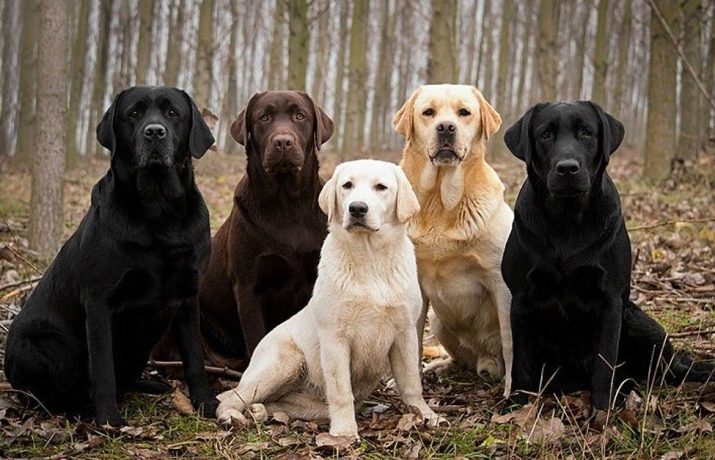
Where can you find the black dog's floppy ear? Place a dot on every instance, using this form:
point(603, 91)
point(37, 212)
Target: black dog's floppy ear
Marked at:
point(105, 128)
point(200, 136)
point(612, 131)
point(241, 126)
point(323, 123)
point(517, 137)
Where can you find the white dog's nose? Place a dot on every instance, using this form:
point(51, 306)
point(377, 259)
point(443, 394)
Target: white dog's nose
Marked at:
point(358, 209)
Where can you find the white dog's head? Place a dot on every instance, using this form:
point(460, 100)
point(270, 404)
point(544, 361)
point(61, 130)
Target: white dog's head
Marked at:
point(446, 121)
point(367, 195)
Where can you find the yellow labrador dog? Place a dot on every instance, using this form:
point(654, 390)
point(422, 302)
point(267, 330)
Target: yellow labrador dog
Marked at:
point(361, 321)
point(462, 228)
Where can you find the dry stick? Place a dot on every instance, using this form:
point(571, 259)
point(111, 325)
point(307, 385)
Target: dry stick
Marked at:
point(672, 222)
point(222, 371)
point(692, 333)
point(689, 66)
point(20, 283)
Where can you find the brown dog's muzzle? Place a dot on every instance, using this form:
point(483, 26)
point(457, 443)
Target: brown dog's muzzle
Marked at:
point(283, 154)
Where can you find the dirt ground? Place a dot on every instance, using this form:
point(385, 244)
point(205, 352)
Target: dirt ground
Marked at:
point(672, 229)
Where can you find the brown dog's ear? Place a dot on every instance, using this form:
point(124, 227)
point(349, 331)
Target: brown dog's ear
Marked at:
point(324, 125)
point(241, 126)
point(403, 119)
point(407, 203)
point(327, 200)
point(491, 120)
point(612, 131)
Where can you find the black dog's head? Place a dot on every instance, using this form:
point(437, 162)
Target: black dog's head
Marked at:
point(566, 145)
point(281, 127)
point(154, 129)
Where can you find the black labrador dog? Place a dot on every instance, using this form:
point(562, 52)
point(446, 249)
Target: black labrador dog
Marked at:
point(130, 272)
point(264, 258)
point(567, 263)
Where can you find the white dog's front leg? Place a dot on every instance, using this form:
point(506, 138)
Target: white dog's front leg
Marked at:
point(335, 363)
point(406, 372)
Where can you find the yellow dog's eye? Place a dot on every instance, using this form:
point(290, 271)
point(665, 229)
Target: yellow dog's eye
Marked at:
point(428, 113)
point(380, 187)
point(464, 113)
point(348, 185)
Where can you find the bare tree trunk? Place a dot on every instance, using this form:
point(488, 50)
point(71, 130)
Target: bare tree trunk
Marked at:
point(600, 55)
point(708, 122)
point(442, 56)
point(340, 75)
point(28, 78)
point(101, 71)
point(471, 42)
point(357, 92)
point(322, 54)
point(204, 55)
point(581, 45)
point(230, 146)
point(660, 126)
point(623, 48)
point(79, 56)
point(48, 163)
point(275, 59)
point(483, 43)
point(10, 55)
point(298, 41)
point(144, 46)
point(548, 53)
point(382, 79)
point(690, 104)
point(176, 42)
point(505, 36)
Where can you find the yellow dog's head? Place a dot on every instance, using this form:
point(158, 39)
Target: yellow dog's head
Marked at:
point(446, 121)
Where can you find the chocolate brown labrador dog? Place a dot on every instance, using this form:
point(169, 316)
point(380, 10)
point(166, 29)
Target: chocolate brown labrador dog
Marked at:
point(264, 257)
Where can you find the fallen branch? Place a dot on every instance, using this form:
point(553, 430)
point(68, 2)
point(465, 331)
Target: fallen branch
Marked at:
point(4, 386)
point(221, 371)
point(20, 283)
point(671, 222)
point(692, 333)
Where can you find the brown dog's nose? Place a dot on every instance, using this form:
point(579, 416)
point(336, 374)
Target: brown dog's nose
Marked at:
point(282, 142)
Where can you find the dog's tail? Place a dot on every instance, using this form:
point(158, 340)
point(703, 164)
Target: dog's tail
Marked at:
point(648, 352)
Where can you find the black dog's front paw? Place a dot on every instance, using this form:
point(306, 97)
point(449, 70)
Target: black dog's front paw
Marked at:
point(206, 406)
point(112, 419)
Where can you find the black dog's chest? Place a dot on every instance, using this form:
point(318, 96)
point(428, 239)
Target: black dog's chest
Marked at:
point(569, 294)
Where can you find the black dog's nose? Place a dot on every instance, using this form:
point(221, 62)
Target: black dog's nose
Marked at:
point(282, 141)
point(155, 131)
point(446, 127)
point(569, 166)
point(358, 209)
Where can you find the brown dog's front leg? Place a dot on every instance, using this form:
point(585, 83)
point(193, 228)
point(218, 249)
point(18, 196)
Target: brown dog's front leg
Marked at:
point(251, 317)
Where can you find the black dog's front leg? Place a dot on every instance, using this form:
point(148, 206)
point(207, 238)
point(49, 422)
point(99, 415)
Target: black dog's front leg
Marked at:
point(250, 314)
point(101, 364)
point(186, 329)
point(604, 365)
point(523, 371)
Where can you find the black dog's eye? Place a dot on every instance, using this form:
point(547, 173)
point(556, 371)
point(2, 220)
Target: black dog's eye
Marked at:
point(546, 135)
point(464, 113)
point(348, 185)
point(428, 113)
point(583, 132)
point(264, 117)
point(299, 116)
point(380, 187)
point(134, 114)
point(172, 113)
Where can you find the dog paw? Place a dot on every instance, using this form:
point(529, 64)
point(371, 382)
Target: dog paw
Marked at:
point(259, 412)
point(206, 407)
point(439, 365)
point(490, 368)
point(435, 420)
point(345, 430)
point(112, 419)
point(229, 416)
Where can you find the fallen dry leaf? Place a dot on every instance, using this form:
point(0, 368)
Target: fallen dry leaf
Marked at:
point(547, 431)
point(181, 402)
point(337, 442)
point(409, 421)
point(520, 416)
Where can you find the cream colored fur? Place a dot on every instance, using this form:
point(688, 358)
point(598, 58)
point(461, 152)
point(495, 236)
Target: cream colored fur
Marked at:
point(360, 323)
point(461, 230)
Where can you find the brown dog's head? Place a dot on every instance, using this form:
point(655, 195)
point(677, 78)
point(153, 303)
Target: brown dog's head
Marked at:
point(281, 127)
point(446, 121)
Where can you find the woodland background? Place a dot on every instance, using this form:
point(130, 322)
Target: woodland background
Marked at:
point(651, 63)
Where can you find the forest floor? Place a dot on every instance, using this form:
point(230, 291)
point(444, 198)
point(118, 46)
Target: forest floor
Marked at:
point(672, 228)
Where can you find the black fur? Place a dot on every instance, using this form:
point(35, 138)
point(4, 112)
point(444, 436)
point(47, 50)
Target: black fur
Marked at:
point(130, 272)
point(568, 264)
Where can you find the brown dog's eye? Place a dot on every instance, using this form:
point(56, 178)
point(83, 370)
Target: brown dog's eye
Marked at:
point(299, 116)
point(428, 113)
point(348, 185)
point(380, 187)
point(264, 117)
point(464, 113)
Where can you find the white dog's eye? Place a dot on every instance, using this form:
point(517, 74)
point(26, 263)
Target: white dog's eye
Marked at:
point(348, 185)
point(464, 113)
point(380, 187)
point(428, 113)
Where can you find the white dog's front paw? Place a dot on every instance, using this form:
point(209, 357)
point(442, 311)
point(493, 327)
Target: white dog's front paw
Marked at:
point(259, 412)
point(435, 420)
point(228, 415)
point(490, 368)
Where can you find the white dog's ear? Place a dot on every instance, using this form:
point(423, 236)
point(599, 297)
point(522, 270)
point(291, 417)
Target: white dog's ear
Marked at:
point(327, 200)
point(491, 120)
point(407, 203)
point(403, 119)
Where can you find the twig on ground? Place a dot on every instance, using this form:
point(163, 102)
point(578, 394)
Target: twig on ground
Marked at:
point(671, 222)
point(692, 333)
point(221, 371)
point(20, 283)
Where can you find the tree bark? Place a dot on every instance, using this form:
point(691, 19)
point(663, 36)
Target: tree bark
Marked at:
point(357, 92)
point(690, 102)
point(275, 58)
point(144, 45)
point(10, 55)
point(101, 72)
point(230, 146)
point(79, 57)
point(660, 124)
point(204, 55)
point(547, 64)
point(340, 75)
point(382, 85)
point(28, 79)
point(49, 159)
point(600, 56)
point(176, 45)
point(505, 37)
point(298, 41)
point(623, 49)
point(442, 55)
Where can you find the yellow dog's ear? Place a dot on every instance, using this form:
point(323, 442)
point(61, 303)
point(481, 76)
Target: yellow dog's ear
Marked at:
point(402, 121)
point(491, 120)
point(407, 203)
point(328, 200)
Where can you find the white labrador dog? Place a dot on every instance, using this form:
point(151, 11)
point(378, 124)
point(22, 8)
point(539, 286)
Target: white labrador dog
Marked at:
point(360, 323)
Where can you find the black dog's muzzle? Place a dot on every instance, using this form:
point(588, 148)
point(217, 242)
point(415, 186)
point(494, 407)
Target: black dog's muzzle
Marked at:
point(155, 147)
